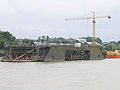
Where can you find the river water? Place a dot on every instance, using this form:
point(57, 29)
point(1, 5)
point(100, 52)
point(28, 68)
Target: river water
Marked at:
point(72, 75)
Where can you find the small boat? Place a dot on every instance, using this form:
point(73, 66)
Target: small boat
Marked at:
point(113, 54)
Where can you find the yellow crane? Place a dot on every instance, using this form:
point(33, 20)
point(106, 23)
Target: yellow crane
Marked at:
point(94, 22)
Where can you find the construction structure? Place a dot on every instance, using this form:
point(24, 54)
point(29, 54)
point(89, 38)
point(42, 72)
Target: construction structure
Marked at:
point(94, 22)
point(52, 53)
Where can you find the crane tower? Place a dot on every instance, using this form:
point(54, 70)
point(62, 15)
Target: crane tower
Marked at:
point(94, 22)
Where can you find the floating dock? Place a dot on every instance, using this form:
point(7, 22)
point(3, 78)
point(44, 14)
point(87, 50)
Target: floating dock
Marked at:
point(52, 53)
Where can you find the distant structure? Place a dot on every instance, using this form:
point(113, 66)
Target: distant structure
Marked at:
point(82, 40)
point(94, 22)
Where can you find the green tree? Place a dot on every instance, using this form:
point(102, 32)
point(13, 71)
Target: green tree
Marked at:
point(112, 46)
point(26, 41)
point(6, 38)
point(2, 42)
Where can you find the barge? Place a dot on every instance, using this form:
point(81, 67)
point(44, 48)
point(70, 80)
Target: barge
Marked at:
point(113, 54)
point(52, 53)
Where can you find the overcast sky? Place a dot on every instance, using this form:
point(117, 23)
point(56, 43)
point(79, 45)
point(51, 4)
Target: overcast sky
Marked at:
point(34, 18)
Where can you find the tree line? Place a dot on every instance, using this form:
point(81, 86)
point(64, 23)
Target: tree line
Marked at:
point(8, 38)
point(113, 45)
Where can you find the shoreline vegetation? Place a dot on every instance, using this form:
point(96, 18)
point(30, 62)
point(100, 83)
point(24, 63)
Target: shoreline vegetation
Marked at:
point(6, 38)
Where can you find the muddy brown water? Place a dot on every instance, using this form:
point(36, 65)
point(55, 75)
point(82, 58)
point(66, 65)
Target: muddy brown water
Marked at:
point(72, 75)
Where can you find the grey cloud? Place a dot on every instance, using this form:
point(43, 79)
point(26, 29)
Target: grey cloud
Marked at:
point(46, 17)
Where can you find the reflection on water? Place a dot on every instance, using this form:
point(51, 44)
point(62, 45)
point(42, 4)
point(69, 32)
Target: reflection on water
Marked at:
point(72, 75)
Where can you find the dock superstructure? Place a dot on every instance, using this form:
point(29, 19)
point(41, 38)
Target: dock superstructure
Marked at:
point(52, 53)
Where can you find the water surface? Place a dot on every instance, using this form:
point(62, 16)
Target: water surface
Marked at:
point(72, 75)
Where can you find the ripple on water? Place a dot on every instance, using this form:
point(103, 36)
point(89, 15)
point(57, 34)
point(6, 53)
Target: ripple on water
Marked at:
point(73, 75)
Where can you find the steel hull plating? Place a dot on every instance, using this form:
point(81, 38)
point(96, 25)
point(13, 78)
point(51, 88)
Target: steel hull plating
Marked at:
point(53, 53)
